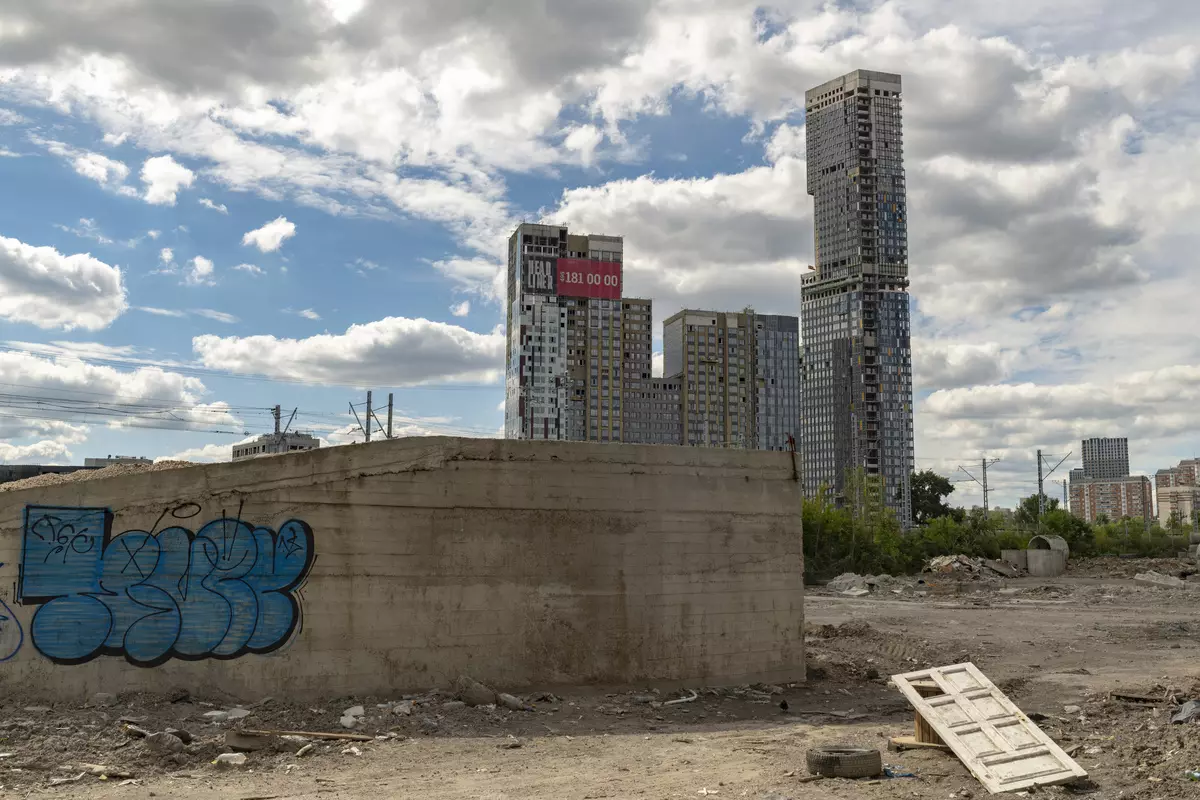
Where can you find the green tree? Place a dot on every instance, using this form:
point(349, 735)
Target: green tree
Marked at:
point(1027, 510)
point(929, 493)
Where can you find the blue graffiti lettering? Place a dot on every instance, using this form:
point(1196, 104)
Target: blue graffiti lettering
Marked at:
point(222, 592)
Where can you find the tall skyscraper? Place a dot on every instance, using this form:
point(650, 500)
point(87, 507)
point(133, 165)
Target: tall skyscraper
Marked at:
point(858, 410)
point(1105, 458)
point(738, 376)
point(577, 351)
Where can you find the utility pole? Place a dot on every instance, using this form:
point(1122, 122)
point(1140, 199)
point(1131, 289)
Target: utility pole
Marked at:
point(277, 411)
point(983, 466)
point(368, 429)
point(389, 429)
point(1041, 478)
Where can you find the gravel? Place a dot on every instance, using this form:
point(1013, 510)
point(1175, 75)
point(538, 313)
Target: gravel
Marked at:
point(115, 471)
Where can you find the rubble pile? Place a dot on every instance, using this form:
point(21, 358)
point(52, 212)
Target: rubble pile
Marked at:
point(854, 585)
point(967, 568)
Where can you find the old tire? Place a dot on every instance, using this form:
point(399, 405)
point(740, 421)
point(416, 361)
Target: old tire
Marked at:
point(844, 762)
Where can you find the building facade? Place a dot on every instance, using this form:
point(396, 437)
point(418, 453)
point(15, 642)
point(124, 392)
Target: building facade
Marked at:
point(857, 379)
point(1105, 458)
point(1178, 504)
point(1185, 474)
point(275, 443)
point(579, 355)
point(1130, 496)
point(738, 375)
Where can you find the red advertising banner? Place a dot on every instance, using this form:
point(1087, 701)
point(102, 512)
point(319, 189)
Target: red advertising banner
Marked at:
point(579, 277)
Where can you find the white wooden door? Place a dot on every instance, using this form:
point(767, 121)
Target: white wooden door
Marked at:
point(989, 734)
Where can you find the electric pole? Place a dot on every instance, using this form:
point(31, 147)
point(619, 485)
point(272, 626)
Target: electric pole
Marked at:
point(983, 467)
point(369, 419)
point(277, 411)
point(389, 429)
point(1041, 481)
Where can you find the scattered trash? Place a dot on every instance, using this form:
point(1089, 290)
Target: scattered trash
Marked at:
point(514, 703)
point(1187, 712)
point(164, 742)
point(1192, 775)
point(474, 693)
point(303, 751)
point(247, 742)
point(230, 760)
point(351, 751)
point(844, 762)
point(707, 791)
point(403, 708)
point(1135, 698)
point(1069, 710)
point(73, 779)
point(349, 737)
point(136, 732)
point(856, 592)
point(103, 772)
point(682, 699)
point(897, 772)
point(898, 744)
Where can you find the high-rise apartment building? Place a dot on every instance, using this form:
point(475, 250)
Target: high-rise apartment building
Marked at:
point(1106, 458)
point(1178, 504)
point(738, 376)
point(857, 381)
point(1116, 498)
point(578, 353)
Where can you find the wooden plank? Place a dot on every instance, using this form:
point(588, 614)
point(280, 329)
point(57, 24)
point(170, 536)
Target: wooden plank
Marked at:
point(899, 744)
point(1001, 747)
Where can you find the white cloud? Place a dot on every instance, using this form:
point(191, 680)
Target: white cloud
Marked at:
point(394, 351)
point(6, 153)
point(153, 234)
point(87, 229)
point(162, 312)
point(40, 286)
point(206, 454)
point(10, 117)
point(308, 313)
point(166, 255)
point(201, 273)
point(218, 207)
point(461, 309)
point(107, 172)
point(270, 237)
point(250, 268)
point(219, 316)
point(164, 177)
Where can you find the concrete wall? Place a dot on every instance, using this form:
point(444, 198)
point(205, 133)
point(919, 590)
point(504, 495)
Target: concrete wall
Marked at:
point(398, 565)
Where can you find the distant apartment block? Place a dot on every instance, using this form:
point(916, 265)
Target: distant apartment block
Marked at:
point(578, 353)
point(858, 405)
point(1180, 502)
point(1185, 474)
point(1106, 458)
point(738, 375)
point(1116, 498)
point(275, 443)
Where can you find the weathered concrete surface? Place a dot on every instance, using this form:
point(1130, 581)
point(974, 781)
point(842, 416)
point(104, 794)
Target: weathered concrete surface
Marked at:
point(519, 563)
point(1015, 557)
point(1047, 563)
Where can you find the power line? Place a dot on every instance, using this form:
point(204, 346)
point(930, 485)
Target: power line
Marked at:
point(983, 465)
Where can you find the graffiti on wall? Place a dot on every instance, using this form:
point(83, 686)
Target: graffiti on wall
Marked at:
point(224, 591)
point(11, 634)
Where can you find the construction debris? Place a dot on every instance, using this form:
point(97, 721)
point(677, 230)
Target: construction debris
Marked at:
point(965, 693)
point(1187, 712)
point(1158, 579)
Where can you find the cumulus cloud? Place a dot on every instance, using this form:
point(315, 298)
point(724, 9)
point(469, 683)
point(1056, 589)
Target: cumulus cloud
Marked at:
point(164, 177)
point(201, 272)
point(43, 287)
point(270, 237)
point(461, 309)
point(941, 364)
point(218, 207)
point(10, 117)
point(308, 313)
point(394, 351)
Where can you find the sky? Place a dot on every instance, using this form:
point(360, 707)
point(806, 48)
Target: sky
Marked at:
point(213, 207)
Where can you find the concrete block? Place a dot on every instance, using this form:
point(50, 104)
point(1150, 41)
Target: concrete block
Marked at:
point(1017, 558)
point(1046, 563)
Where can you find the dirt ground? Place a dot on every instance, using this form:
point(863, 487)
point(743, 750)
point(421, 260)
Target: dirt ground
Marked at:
point(1057, 647)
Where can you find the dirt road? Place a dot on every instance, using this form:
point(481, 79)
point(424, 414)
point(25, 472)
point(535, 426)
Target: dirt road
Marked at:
point(1051, 647)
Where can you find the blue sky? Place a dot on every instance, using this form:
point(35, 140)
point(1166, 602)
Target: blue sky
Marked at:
point(312, 200)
